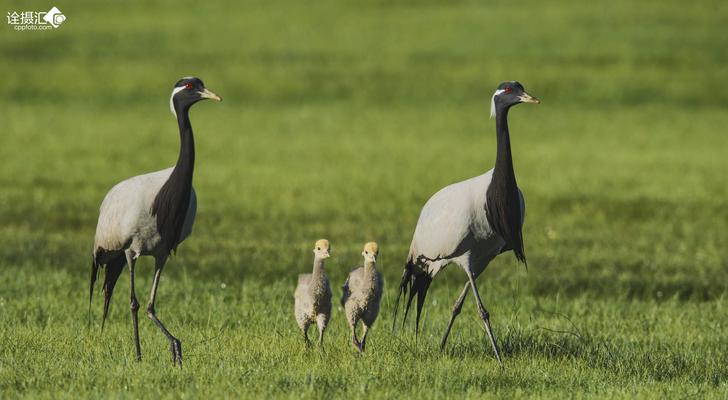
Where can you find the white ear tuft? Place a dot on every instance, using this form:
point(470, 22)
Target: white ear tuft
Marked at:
point(171, 102)
point(492, 102)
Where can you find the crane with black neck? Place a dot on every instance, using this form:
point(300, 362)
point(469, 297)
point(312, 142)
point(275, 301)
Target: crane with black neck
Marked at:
point(150, 214)
point(469, 223)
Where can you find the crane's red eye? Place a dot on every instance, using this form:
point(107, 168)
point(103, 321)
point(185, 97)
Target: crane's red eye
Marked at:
point(188, 86)
point(507, 90)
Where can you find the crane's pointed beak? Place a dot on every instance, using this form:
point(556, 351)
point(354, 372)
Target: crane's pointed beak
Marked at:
point(527, 98)
point(206, 94)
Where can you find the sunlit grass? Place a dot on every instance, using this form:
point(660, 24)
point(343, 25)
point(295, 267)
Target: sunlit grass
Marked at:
point(339, 121)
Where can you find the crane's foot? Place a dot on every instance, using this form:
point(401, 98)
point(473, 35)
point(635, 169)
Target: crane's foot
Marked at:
point(138, 349)
point(357, 345)
point(306, 340)
point(485, 316)
point(443, 341)
point(321, 336)
point(176, 350)
point(135, 322)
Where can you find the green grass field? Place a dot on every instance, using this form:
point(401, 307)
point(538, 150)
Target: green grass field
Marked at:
point(340, 119)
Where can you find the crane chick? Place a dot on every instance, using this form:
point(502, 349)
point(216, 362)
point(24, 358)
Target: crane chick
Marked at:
point(362, 295)
point(313, 294)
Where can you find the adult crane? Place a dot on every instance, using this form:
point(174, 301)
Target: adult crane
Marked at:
point(150, 214)
point(470, 222)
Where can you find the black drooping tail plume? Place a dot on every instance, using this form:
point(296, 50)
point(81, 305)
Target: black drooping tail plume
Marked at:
point(416, 282)
point(94, 273)
point(113, 270)
point(403, 284)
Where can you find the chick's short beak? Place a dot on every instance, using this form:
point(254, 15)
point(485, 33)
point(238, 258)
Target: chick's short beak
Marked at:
point(527, 98)
point(206, 94)
point(327, 254)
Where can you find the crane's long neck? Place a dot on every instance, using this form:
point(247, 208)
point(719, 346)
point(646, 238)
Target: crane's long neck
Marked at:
point(318, 268)
point(186, 160)
point(369, 267)
point(173, 200)
point(503, 173)
point(503, 203)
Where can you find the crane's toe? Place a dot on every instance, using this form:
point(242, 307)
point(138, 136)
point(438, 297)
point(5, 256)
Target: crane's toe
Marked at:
point(176, 350)
point(356, 344)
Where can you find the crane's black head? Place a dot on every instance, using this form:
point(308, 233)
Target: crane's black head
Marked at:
point(508, 94)
point(188, 91)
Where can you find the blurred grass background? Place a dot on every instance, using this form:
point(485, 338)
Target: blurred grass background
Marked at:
point(340, 119)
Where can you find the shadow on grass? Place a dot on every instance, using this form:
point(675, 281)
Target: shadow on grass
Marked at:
point(655, 360)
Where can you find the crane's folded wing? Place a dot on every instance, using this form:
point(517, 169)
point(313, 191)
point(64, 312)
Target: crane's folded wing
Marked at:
point(450, 217)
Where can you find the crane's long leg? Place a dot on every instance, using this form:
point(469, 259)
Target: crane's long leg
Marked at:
point(364, 337)
point(175, 344)
point(305, 333)
point(354, 341)
point(455, 312)
point(321, 324)
point(134, 304)
point(485, 316)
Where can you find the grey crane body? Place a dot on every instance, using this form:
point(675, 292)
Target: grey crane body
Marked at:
point(312, 298)
point(362, 295)
point(453, 227)
point(150, 214)
point(126, 221)
point(469, 223)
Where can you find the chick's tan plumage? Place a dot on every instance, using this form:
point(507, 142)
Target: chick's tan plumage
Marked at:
point(313, 294)
point(363, 294)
